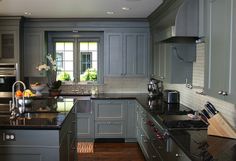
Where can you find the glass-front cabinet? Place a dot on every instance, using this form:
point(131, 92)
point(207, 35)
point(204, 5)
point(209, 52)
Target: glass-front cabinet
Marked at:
point(9, 39)
point(7, 44)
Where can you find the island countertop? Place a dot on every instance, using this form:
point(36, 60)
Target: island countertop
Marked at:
point(42, 113)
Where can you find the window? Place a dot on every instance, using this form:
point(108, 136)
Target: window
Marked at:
point(64, 59)
point(77, 55)
point(88, 61)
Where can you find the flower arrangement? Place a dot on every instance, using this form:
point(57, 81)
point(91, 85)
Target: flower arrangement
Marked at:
point(51, 68)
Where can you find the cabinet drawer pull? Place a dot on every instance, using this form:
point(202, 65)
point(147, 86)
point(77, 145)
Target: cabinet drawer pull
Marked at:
point(220, 92)
point(224, 93)
point(69, 132)
point(154, 156)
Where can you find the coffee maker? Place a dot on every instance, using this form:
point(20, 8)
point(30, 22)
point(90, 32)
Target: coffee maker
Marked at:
point(155, 87)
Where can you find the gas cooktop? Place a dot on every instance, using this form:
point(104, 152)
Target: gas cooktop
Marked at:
point(174, 116)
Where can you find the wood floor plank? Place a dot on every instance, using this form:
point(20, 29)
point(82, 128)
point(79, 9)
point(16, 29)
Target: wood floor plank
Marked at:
point(114, 152)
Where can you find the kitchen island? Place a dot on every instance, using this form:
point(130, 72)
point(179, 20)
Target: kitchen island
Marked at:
point(45, 133)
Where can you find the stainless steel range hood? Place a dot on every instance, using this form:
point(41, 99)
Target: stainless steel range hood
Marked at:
point(181, 23)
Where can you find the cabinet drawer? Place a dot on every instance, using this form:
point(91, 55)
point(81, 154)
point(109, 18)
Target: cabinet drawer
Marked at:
point(110, 110)
point(109, 129)
point(85, 126)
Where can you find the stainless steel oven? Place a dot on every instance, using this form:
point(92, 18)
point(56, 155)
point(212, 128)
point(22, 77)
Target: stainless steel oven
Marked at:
point(8, 75)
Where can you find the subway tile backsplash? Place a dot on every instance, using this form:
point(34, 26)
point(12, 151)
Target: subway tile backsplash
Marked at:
point(190, 98)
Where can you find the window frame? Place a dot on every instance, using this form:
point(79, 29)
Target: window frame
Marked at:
point(77, 38)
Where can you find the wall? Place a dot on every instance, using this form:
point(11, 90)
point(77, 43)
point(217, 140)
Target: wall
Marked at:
point(191, 98)
point(125, 85)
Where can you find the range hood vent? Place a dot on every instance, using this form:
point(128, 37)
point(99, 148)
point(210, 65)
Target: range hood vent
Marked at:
point(181, 23)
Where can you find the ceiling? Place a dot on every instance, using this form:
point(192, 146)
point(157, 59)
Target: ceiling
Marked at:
point(78, 8)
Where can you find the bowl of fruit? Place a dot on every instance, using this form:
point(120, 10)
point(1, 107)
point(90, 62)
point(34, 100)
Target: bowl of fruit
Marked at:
point(27, 94)
point(38, 87)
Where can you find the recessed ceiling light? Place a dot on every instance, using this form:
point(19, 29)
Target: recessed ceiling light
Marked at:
point(125, 8)
point(110, 12)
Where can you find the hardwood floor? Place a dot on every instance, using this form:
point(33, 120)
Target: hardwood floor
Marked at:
point(114, 152)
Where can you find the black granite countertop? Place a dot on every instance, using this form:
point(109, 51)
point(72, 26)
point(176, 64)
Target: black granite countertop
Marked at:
point(195, 143)
point(201, 147)
point(42, 113)
point(50, 114)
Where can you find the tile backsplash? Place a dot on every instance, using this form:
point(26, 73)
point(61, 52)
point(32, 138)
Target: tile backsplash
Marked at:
point(190, 98)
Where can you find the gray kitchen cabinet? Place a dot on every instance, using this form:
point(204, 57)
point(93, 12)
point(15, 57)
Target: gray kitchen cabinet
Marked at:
point(110, 117)
point(220, 56)
point(143, 138)
point(34, 52)
point(10, 35)
point(175, 153)
point(131, 121)
point(126, 54)
point(173, 62)
point(85, 120)
point(39, 144)
point(113, 54)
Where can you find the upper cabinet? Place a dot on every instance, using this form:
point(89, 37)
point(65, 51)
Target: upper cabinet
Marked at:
point(126, 54)
point(34, 51)
point(220, 40)
point(10, 39)
point(173, 62)
point(174, 31)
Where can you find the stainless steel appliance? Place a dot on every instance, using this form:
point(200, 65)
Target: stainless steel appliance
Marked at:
point(170, 118)
point(154, 87)
point(8, 75)
point(171, 96)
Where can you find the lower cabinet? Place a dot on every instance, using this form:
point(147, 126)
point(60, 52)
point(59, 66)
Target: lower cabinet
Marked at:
point(143, 138)
point(41, 145)
point(110, 117)
point(176, 154)
point(85, 120)
point(106, 118)
point(109, 129)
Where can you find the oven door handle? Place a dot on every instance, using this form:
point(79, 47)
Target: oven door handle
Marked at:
point(7, 75)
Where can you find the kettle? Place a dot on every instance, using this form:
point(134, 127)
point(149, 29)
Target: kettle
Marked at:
point(154, 87)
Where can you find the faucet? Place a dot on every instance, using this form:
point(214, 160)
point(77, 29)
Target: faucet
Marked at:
point(14, 106)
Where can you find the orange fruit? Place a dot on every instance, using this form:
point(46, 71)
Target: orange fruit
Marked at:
point(19, 93)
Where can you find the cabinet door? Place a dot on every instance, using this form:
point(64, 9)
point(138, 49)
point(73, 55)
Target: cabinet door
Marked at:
point(85, 126)
point(218, 41)
point(34, 53)
point(231, 65)
point(110, 110)
point(109, 129)
point(162, 61)
point(135, 54)
point(155, 60)
point(131, 120)
point(9, 45)
point(114, 65)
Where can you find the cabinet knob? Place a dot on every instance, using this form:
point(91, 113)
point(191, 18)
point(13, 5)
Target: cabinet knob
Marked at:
point(178, 155)
point(220, 92)
point(162, 77)
point(145, 140)
point(224, 93)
